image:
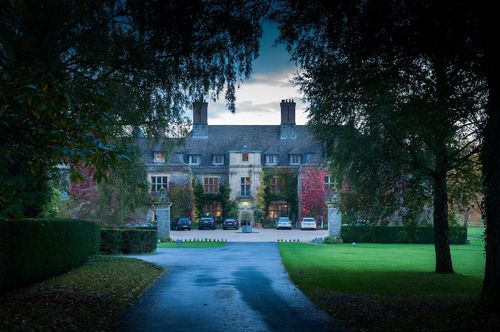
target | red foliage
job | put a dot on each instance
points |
(313, 193)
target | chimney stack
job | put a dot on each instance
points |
(288, 119)
(200, 120)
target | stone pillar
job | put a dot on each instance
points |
(163, 220)
(334, 221)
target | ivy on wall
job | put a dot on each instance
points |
(181, 197)
(201, 198)
(288, 190)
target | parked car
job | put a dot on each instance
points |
(283, 222)
(230, 223)
(207, 222)
(308, 223)
(183, 223)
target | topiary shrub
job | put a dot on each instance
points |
(32, 250)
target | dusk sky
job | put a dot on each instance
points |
(258, 99)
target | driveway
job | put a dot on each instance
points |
(239, 287)
(258, 235)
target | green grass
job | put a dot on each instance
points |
(366, 286)
(89, 298)
(191, 244)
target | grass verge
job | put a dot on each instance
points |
(392, 287)
(89, 298)
(191, 244)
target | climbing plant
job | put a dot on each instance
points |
(201, 198)
(287, 178)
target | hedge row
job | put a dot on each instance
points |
(394, 234)
(32, 250)
(127, 241)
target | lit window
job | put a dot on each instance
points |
(213, 209)
(275, 186)
(245, 187)
(194, 159)
(159, 182)
(295, 159)
(218, 159)
(211, 185)
(271, 159)
(158, 157)
(244, 156)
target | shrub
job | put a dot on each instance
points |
(332, 240)
(396, 234)
(128, 241)
(36, 249)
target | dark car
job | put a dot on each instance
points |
(207, 222)
(230, 223)
(183, 223)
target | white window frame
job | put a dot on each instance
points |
(245, 186)
(158, 157)
(271, 159)
(194, 159)
(214, 157)
(155, 185)
(292, 157)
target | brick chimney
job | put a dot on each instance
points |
(287, 130)
(200, 124)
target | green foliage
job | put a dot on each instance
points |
(245, 218)
(288, 190)
(201, 198)
(115, 198)
(127, 241)
(397, 234)
(182, 201)
(36, 249)
(331, 240)
(67, 89)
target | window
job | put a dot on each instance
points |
(275, 186)
(245, 187)
(158, 182)
(278, 209)
(158, 157)
(212, 209)
(328, 180)
(218, 159)
(295, 159)
(194, 159)
(211, 185)
(271, 159)
(244, 156)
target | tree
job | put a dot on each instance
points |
(76, 74)
(313, 194)
(182, 199)
(400, 77)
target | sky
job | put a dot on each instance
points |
(258, 99)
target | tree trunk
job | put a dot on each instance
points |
(490, 155)
(441, 239)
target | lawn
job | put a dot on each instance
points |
(387, 286)
(191, 244)
(89, 298)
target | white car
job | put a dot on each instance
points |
(308, 223)
(283, 222)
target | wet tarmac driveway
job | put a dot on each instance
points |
(240, 287)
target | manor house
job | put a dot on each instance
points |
(236, 156)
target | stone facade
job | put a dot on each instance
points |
(233, 155)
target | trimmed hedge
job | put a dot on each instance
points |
(127, 241)
(32, 250)
(399, 234)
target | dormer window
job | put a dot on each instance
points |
(158, 157)
(271, 159)
(295, 159)
(194, 159)
(218, 159)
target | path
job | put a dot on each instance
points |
(239, 287)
